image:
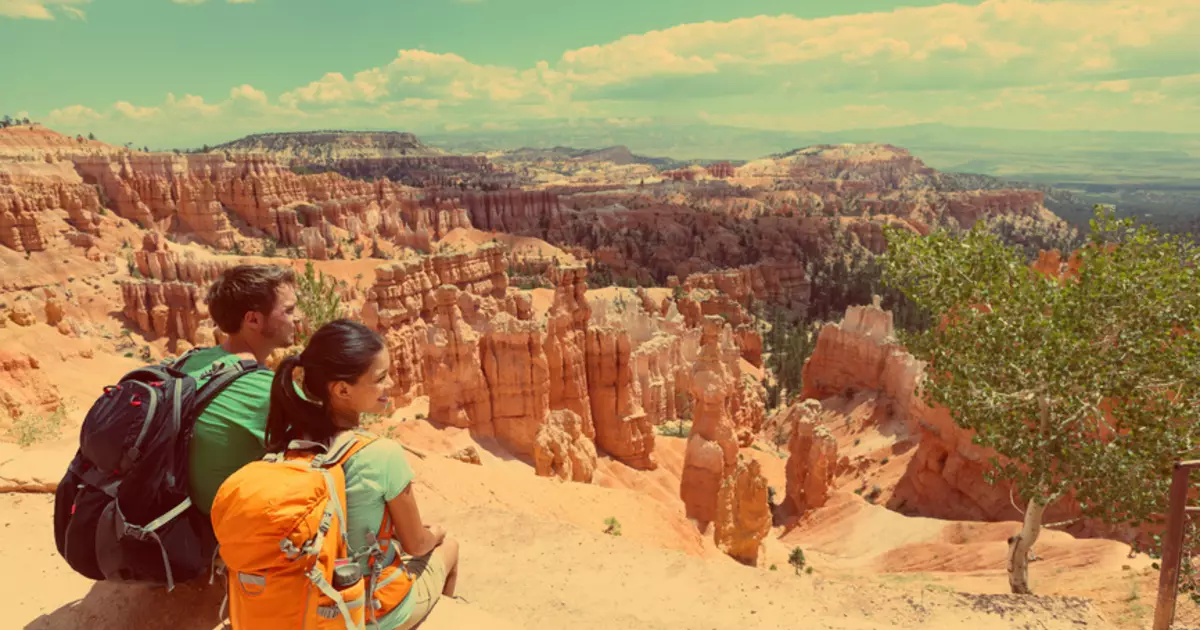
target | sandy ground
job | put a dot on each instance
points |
(522, 247)
(535, 556)
(527, 565)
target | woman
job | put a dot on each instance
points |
(345, 374)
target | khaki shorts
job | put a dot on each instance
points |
(430, 571)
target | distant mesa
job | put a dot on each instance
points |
(619, 155)
(395, 155)
(317, 146)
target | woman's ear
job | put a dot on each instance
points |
(339, 390)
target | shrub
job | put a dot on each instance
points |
(318, 301)
(30, 429)
(796, 559)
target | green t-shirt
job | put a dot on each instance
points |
(231, 431)
(374, 476)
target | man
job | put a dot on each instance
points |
(255, 306)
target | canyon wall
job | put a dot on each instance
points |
(41, 202)
(167, 301)
(424, 171)
(214, 197)
(530, 212)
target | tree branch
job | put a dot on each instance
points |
(1013, 501)
(1069, 521)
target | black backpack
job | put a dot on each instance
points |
(122, 512)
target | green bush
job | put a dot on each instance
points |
(796, 559)
(318, 301)
(30, 429)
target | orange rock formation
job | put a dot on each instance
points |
(743, 512)
(563, 449)
(623, 429)
(812, 461)
(23, 388)
(712, 447)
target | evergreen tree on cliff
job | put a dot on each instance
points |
(1087, 384)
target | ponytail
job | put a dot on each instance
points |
(290, 414)
(341, 350)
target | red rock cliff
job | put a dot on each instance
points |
(39, 202)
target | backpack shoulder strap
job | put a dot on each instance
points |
(178, 363)
(347, 445)
(222, 378)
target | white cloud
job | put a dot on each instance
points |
(72, 115)
(248, 93)
(1018, 62)
(1148, 98)
(1005, 41)
(132, 111)
(40, 9)
(1113, 86)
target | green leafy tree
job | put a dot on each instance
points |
(318, 300)
(789, 342)
(1087, 386)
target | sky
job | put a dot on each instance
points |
(178, 73)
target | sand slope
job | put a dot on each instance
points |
(534, 556)
(524, 571)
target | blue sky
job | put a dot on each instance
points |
(178, 73)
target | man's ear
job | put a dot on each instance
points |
(253, 319)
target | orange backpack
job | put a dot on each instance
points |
(281, 526)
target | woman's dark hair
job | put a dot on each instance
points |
(341, 350)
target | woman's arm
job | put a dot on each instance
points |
(416, 538)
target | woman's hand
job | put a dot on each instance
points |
(438, 532)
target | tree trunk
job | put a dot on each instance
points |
(1020, 545)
